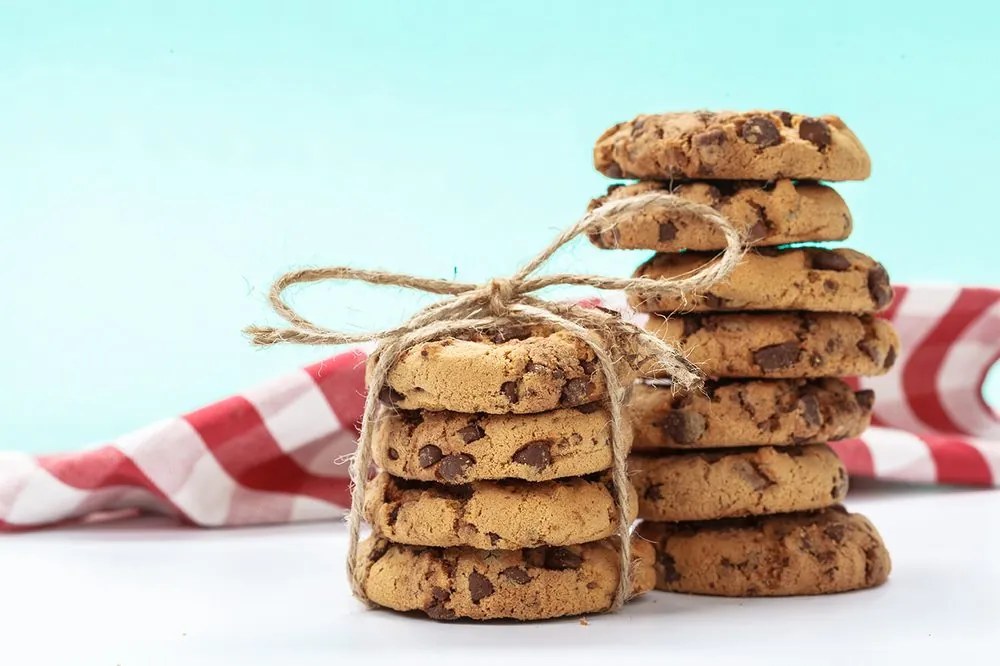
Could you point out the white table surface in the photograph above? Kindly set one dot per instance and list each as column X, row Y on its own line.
column 147, row 592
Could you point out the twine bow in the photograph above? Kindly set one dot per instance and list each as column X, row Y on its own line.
column 621, row 348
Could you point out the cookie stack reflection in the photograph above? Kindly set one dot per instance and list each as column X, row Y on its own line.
column 738, row 490
column 494, row 498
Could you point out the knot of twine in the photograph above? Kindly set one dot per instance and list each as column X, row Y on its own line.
column 621, row 348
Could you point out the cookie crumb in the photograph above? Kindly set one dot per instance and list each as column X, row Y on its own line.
column 584, row 622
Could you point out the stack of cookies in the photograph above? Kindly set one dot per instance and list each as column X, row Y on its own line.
column 493, row 498
column 738, row 490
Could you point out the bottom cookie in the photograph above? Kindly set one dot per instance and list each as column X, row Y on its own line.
column 769, row 556
column 526, row 584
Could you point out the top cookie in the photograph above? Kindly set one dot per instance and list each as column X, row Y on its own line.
column 728, row 145
column 519, row 370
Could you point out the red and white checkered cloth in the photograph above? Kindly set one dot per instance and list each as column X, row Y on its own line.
column 274, row 453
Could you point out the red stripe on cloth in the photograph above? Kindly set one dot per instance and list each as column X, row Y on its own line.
column 920, row 373
column 234, row 432
column 104, row 467
column 958, row 462
column 856, row 456
column 341, row 379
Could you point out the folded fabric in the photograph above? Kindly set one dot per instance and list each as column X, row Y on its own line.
column 276, row 453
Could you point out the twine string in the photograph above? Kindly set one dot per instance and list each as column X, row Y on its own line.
column 621, row 348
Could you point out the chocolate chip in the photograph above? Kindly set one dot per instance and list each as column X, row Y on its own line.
column 834, row 532
column 393, row 514
column 669, row 567
column 510, row 390
column 668, row 231
column 815, row 131
column 761, row 132
column 480, row 587
column 534, row 454
column 589, row 408
column 786, row 118
column 692, row 324
column 839, row 488
column 776, row 357
column 879, row 287
column 890, row 358
column 589, row 367
column 471, row 433
column 714, row 137
column 830, row 286
column 871, row 349
column 809, row 405
column 865, row 399
column 574, row 392
column 613, row 171
column 758, row 231
column 562, row 558
column 393, row 454
column 516, row 575
column 653, row 493
column 684, row 427
column 494, row 537
column 755, row 476
column 827, row 260
column 428, row 455
column 455, row 466
column 436, row 608
column 772, row 424
column 389, row 396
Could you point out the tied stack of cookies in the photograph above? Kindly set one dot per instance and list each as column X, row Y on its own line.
column 494, row 498
column 738, row 490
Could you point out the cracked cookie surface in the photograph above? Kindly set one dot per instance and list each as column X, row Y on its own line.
column 494, row 514
column 768, row 213
column 455, row 448
column 729, row 145
column 793, row 554
column 812, row 279
column 737, row 413
column 728, row 483
column 516, row 371
column 782, row 345
column 524, row 584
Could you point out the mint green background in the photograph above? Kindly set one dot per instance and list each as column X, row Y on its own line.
column 161, row 163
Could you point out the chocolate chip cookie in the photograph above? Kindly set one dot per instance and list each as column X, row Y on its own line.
column 456, row 448
column 782, row 345
column 494, row 514
column 727, row 145
column 773, row 213
column 727, row 483
column 525, row 584
column 801, row 278
column 748, row 413
column 793, row 554
column 515, row 370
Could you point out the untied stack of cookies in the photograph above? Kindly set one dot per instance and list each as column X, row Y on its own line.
column 494, row 498
column 738, row 490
